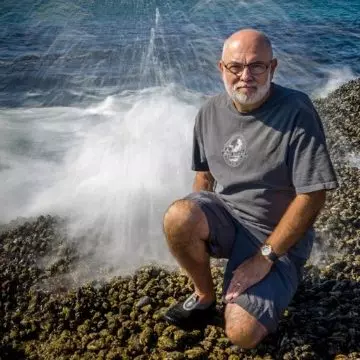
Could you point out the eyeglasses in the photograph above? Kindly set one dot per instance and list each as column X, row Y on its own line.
column 255, row 68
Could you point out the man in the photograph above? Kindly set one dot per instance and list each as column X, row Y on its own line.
column 265, row 146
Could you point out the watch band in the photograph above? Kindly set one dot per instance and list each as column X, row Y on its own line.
column 272, row 256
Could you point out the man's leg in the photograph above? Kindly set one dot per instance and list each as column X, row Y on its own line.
column 257, row 311
column 187, row 230
column 242, row 328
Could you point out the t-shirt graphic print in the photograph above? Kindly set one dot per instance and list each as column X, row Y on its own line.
column 234, row 150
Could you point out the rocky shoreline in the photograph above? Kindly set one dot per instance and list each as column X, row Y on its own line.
column 121, row 318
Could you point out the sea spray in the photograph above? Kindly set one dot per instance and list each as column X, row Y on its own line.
column 120, row 175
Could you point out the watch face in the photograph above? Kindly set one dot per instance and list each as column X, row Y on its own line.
column 266, row 250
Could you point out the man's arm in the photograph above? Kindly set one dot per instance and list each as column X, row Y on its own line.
column 298, row 217
column 203, row 181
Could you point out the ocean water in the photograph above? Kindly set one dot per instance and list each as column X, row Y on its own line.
column 98, row 98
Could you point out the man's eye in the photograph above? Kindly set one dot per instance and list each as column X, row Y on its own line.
column 257, row 68
column 236, row 68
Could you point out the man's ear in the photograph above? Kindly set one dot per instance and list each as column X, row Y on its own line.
column 220, row 66
column 273, row 66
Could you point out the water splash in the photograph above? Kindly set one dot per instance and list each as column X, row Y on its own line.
column 152, row 65
column 334, row 78
column 354, row 159
column 119, row 175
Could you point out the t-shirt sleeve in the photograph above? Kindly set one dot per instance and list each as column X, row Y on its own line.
column 199, row 161
column 309, row 162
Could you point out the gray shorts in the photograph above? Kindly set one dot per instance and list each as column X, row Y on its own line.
column 229, row 239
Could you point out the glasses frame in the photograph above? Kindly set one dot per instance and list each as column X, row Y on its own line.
column 247, row 65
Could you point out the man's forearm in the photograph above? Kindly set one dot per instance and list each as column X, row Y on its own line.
column 299, row 216
column 203, row 181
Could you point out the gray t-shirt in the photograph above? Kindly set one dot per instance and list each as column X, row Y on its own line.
column 263, row 158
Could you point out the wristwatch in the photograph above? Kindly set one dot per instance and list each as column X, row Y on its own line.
column 267, row 251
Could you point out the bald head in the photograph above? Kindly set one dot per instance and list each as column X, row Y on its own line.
column 247, row 41
column 247, row 67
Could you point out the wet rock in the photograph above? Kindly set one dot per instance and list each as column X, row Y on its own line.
column 196, row 353
column 145, row 300
column 166, row 343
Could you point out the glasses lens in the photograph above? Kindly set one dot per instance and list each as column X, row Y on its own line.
column 257, row 68
column 236, row 69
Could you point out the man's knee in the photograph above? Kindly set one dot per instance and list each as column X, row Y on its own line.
column 184, row 217
column 242, row 328
column 243, row 336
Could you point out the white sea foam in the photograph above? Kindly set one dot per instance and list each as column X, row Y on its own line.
column 354, row 159
column 112, row 168
column 335, row 77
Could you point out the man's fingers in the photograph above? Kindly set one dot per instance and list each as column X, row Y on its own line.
column 231, row 296
column 234, row 290
column 230, row 292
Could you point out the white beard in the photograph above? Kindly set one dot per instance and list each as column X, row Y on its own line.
column 243, row 99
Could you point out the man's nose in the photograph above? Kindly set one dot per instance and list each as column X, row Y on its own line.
column 246, row 74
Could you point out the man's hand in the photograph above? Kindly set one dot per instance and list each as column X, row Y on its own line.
column 203, row 181
column 248, row 273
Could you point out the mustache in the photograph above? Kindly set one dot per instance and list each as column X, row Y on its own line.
column 239, row 86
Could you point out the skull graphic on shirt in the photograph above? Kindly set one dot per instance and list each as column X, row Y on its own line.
column 234, row 150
